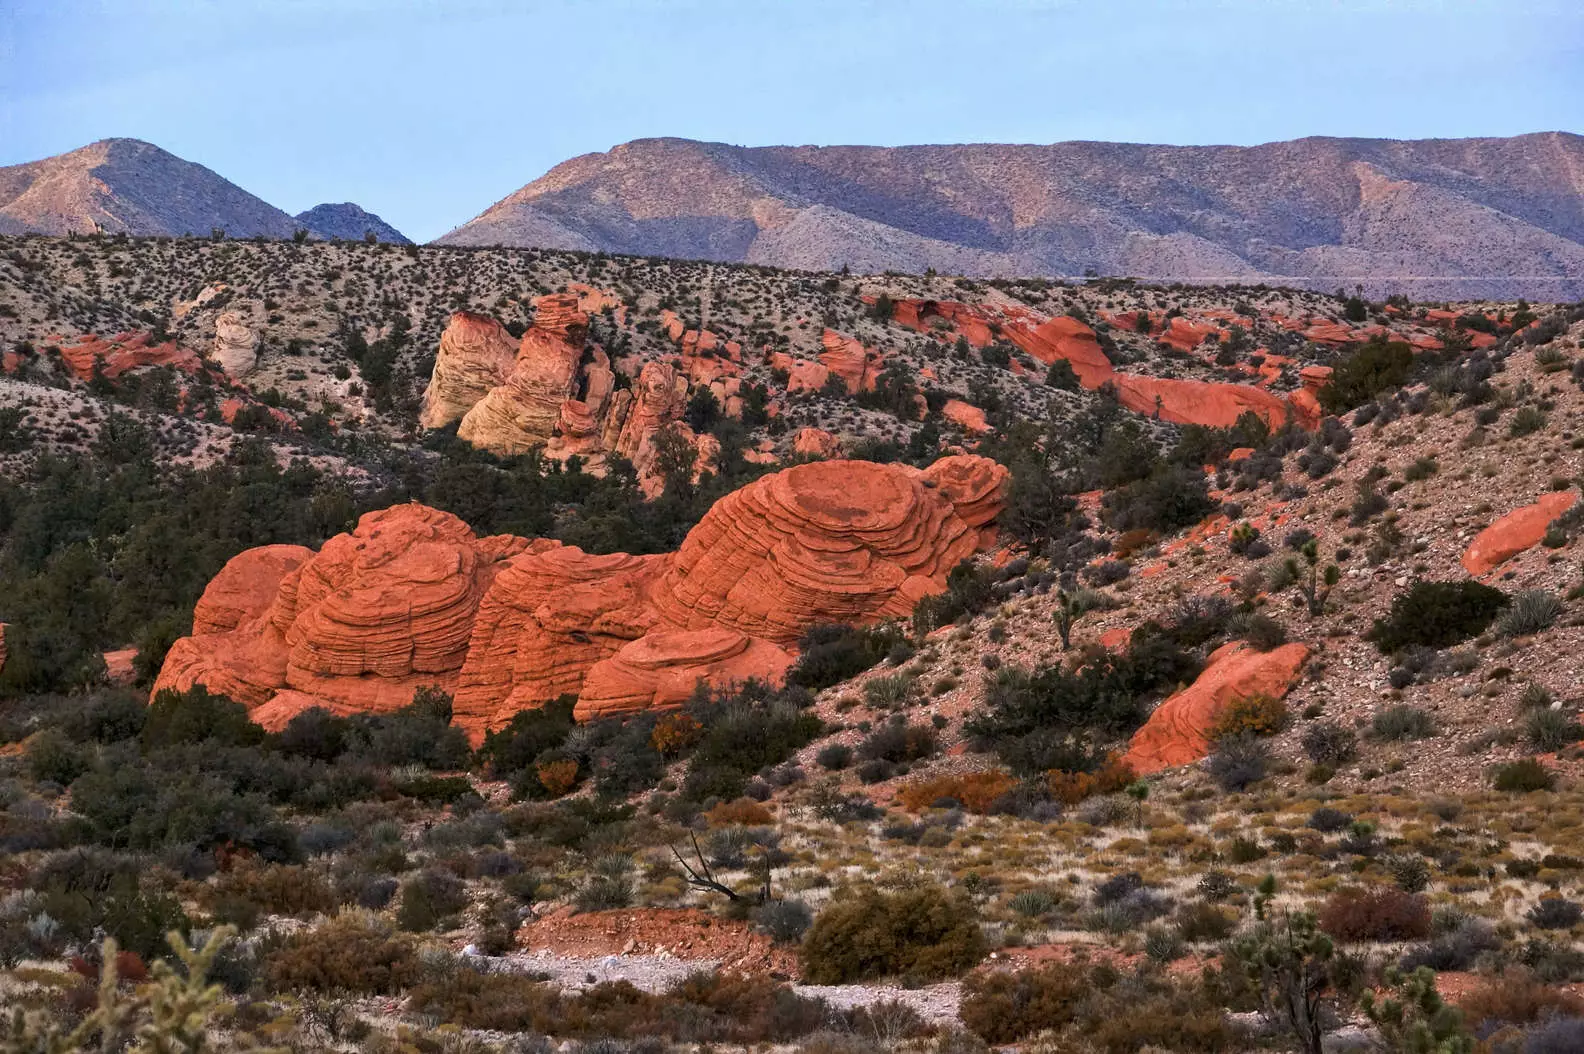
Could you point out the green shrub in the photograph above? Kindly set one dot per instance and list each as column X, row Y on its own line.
column 351, row 953
column 1169, row 499
column 1529, row 612
column 54, row 757
column 1437, row 615
column 1551, row 730
column 1400, row 722
column 1523, row 776
column 923, row 933
column 1328, row 743
column 1372, row 369
column 833, row 653
column 429, row 898
column 195, row 716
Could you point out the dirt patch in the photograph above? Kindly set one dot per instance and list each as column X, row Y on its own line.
column 684, row 933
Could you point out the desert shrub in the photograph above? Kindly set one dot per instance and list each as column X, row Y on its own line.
column 1554, row 913
column 1375, row 914
column 1457, row 949
column 785, row 921
column 1530, row 612
column 897, row 742
column 529, row 735
column 1410, row 871
column 420, row 733
column 834, row 757
column 1523, row 776
column 1556, row 1035
column 1255, row 715
column 1070, row 788
column 1329, row 821
column 833, row 653
column 744, row 731
column 195, row 716
column 1372, row 369
column 1005, row 1006
column 923, row 932
column 1033, row 903
column 1328, row 743
column 609, row 884
column 1517, row 998
column 90, row 893
column 1262, row 631
column 1401, row 722
column 428, row 898
column 1551, row 730
column 1437, row 615
column 276, row 889
column 974, row 791
column 1170, row 498
column 1238, row 761
column 503, row 1002
column 1201, row 922
column 53, row 757
column 352, row 953
column 315, row 733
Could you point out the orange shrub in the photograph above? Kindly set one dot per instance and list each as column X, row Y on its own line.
column 674, row 733
column 557, row 777
column 744, row 812
column 977, row 791
column 1260, row 715
column 1070, row 788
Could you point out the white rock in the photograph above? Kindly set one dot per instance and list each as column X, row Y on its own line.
column 235, row 346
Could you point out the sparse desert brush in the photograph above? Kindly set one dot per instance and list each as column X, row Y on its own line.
column 354, row 952
column 974, row 791
column 1258, row 714
column 1375, row 914
column 1070, row 788
column 743, row 812
column 923, row 932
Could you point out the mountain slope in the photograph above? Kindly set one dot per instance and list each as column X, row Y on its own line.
column 1451, row 217
column 348, row 222
column 125, row 185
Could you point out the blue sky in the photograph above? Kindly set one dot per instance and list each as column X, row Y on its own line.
column 427, row 111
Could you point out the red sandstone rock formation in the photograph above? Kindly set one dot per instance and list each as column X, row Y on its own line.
column 1515, row 532
column 1177, row 733
column 245, row 587
column 847, row 358
column 476, row 354
column 1197, row 402
column 662, row 669
column 124, row 351
column 816, row 442
column 413, row 598
column 966, row 416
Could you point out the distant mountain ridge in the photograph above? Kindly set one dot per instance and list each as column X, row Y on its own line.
column 1435, row 217
column 129, row 186
column 348, row 222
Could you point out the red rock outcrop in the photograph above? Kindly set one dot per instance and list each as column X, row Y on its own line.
column 1197, row 402
column 1065, row 338
column 1515, row 532
column 476, row 354
column 847, row 358
column 245, row 587
column 816, row 442
column 1177, row 733
column 663, row 668
column 837, row 541
column 116, row 355
column 413, row 598
column 966, row 416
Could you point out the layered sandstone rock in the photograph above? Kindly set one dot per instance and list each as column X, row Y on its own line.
column 413, row 598
column 113, row 356
column 245, row 587
column 847, row 358
column 521, row 413
column 364, row 622
column 662, row 670
column 476, row 354
column 1178, row 732
column 1198, row 402
column 836, row 541
column 235, row 345
column 1515, row 532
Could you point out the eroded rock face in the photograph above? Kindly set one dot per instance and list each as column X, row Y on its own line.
column 1515, row 532
column 476, row 354
column 553, row 393
column 1178, row 732
column 235, row 345
column 245, row 587
column 816, row 442
column 412, row 598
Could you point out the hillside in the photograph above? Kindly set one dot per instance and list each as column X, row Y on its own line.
column 1428, row 218
column 519, row 643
